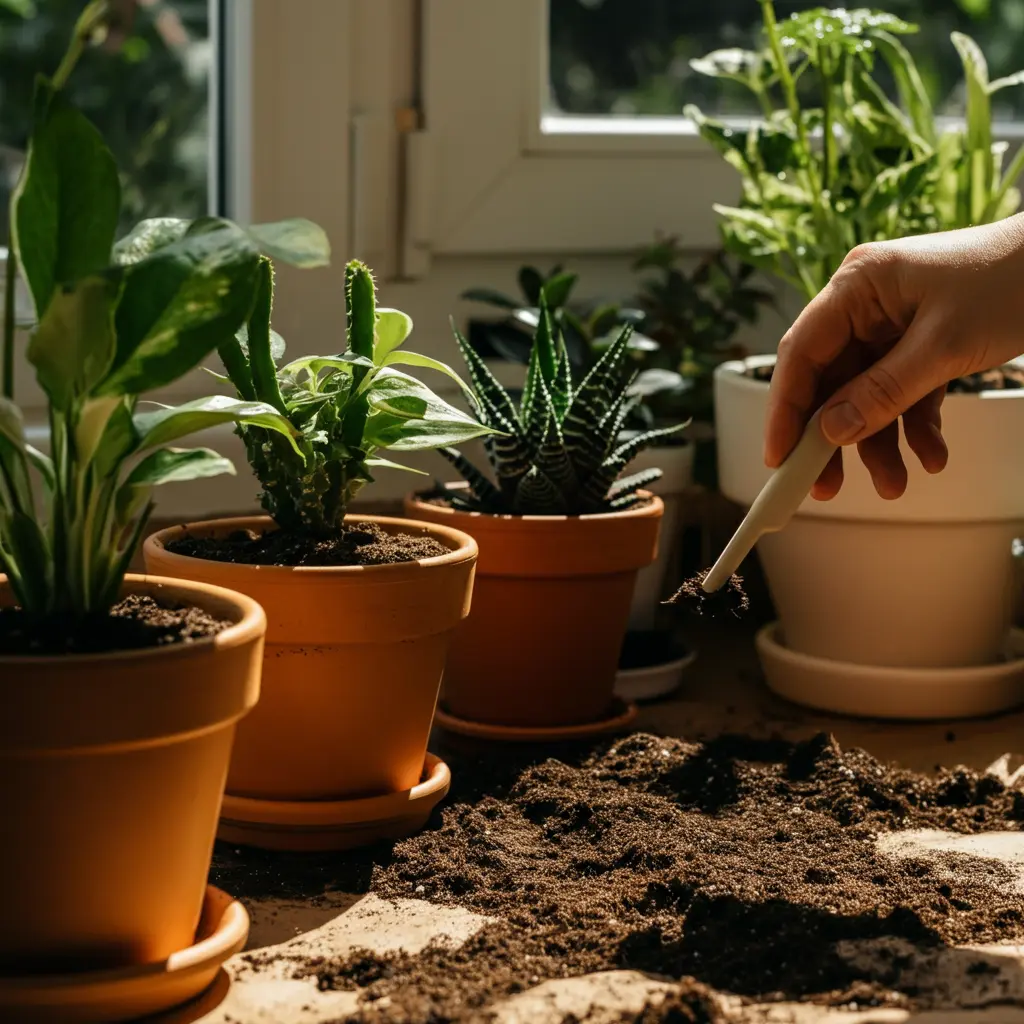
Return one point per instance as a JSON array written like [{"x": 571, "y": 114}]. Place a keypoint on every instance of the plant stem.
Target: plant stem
[
  {"x": 11, "y": 279},
  {"x": 89, "y": 21}
]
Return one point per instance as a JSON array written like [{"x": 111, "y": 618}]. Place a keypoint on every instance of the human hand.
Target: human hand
[{"x": 898, "y": 321}]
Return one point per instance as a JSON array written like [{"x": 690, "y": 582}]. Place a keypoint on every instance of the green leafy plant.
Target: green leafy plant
[
  {"x": 834, "y": 162},
  {"x": 559, "y": 452},
  {"x": 343, "y": 408},
  {"x": 684, "y": 321},
  {"x": 113, "y": 322}
]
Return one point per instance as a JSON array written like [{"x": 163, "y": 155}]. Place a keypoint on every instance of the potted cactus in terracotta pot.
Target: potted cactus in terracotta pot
[
  {"x": 119, "y": 694},
  {"x": 360, "y": 609},
  {"x": 562, "y": 537},
  {"x": 887, "y": 608}
]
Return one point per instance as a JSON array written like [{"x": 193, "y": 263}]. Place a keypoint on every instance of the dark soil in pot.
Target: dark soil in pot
[
  {"x": 358, "y": 544},
  {"x": 1004, "y": 378},
  {"x": 134, "y": 623},
  {"x": 738, "y": 862}
]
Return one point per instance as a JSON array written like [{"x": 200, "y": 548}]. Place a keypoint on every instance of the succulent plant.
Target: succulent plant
[
  {"x": 559, "y": 452},
  {"x": 343, "y": 408}
]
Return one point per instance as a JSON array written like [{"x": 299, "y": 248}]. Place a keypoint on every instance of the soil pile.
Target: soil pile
[{"x": 739, "y": 863}]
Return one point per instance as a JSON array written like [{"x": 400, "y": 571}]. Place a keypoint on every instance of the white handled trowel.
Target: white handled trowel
[{"x": 778, "y": 501}]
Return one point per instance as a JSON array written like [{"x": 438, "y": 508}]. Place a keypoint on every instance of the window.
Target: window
[
  {"x": 631, "y": 57},
  {"x": 147, "y": 93},
  {"x": 554, "y": 126}
]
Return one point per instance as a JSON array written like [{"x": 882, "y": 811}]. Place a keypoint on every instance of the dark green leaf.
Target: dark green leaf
[
  {"x": 179, "y": 304},
  {"x": 147, "y": 237},
  {"x": 66, "y": 205}
]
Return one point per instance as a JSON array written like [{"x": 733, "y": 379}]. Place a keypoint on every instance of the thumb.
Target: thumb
[{"x": 883, "y": 392}]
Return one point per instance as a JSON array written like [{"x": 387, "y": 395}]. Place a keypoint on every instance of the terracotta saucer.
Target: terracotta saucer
[
  {"x": 654, "y": 681},
  {"x": 306, "y": 825},
  {"x": 105, "y": 997},
  {"x": 911, "y": 694},
  {"x": 619, "y": 716}
]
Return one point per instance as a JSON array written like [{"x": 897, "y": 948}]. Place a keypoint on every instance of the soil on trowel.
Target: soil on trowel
[
  {"x": 134, "y": 623},
  {"x": 739, "y": 863},
  {"x": 359, "y": 544},
  {"x": 729, "y": 601},
  {"x": 1004, "y": 378}
]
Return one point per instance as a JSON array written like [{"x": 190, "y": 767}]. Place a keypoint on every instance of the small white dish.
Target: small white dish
[
  {"x": 653, "y": 682},
  {"x": 913, "y": 694}
]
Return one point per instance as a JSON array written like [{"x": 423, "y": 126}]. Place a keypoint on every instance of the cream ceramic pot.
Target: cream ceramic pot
[
  {"x": 653, "y": 583},
  {"x": 923, "y": 582}
]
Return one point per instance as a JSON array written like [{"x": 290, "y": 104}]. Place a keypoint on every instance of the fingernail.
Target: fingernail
[{"x": 842, "y": 423}]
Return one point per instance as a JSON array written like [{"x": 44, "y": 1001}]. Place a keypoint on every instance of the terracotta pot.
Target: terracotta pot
[
  {"x": 112, "y": 770},
  {"x": 353, "y": 662},
  {"x": 550, "y": 610},
  {"x": 923, "y": 582}
]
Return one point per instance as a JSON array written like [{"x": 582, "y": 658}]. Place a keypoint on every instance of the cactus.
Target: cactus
[{"x": 344, "y": 407}]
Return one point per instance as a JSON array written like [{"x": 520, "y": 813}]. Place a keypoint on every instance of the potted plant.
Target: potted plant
[
  {"x": 684, "y": 324},
  {"x": 360, "y": 608},
  {"x": 561, "y": 538},
  {"x": 119, "y": 694},
  {"x": 921, "y": 585}
]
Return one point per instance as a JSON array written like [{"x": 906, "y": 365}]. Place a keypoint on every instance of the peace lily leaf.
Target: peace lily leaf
[
  {"x": 73, "y": 346},
  {"x": 66, "y": 206},
  {"x": 297, "y": 241},
  {"x": 168, "y": 423},
  {"x": 176, "y": 465},
  {"x": 415, "y": 359},
  {"x": 147, "y": 237},
  {"x": 393, "y": 327}
]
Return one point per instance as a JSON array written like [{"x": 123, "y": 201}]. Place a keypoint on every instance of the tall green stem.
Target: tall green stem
[
  {"x": 93, "y": 18},
  {"x": 10, "y": 283}
]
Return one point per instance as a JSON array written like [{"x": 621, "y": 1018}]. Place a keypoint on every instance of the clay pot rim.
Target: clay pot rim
[
  {"x": 463, "y": 549},
  {"x": 652, "y": 508},
  {"x": 251, "y": 624},
  {"x": 734, "y": 370}
]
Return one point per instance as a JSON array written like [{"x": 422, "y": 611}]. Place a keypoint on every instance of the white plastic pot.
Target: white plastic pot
[
  {"x": 923, "y": 582},
  {"x": 652, "y": 583}
]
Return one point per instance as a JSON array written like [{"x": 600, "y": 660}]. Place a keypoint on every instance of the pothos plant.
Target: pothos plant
[
  {"x": 343, "y": 408},
  {"x": 559, "y": 452},
  {"x": 113, "y": 321},
  {"x": 833, "y": 162}
]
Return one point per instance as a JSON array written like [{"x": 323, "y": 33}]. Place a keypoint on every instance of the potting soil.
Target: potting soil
[
  {"x": 133, "y": 623},
  {"x": 738, "y": 862},
  {"x": 729, "y": 601},
  {"x": 357, "y": 544}
]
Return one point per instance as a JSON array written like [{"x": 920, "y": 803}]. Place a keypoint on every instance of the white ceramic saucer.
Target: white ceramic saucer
[
  {"x": 913, "y": 694},
  {"x": 654, "y": 681},
  {"x": 104, "y": 997}
]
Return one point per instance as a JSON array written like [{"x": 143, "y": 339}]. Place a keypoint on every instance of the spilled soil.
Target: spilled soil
[
  {"x": 738, "y": 863},
  {"x": 134, "y": 623},
  {"x": 358, "y": 544}
]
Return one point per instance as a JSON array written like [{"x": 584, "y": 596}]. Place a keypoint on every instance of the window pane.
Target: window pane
[
  {"x": 148, "y": 94},
  {"x": 631, "y": 57}
]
